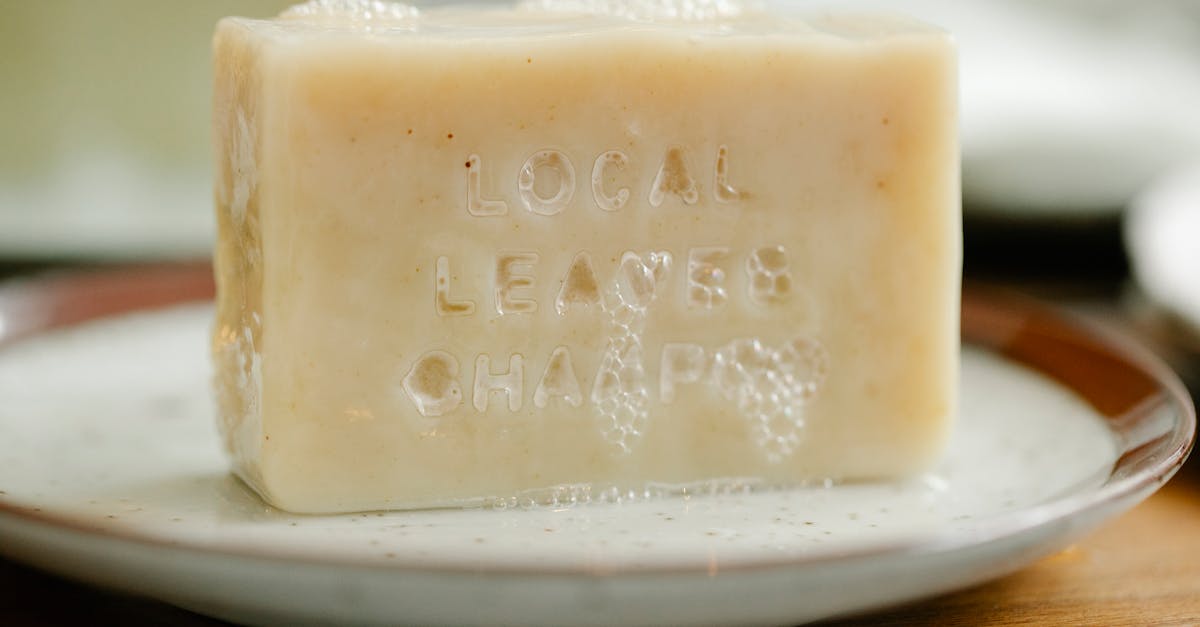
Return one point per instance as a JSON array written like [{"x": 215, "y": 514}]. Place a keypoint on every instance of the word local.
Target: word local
[{"x": 673, "y": 177}]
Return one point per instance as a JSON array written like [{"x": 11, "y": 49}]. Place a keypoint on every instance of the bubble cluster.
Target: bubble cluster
[
  {"x": 353, "y": 10},
  {"x": 620, "y": 394},
  {"x": 770, "y": 278},
  {"x": 771, "y": 387},
  {"x": 578, "y": 494},
  {"x": 646, "y": 10}
]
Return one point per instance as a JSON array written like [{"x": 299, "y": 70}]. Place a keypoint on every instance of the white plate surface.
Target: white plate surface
[{"x": 112, "y": 473}]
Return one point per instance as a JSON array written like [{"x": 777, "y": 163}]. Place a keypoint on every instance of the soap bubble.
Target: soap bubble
[
  {"x": 647, "y": 10},
  {"x": 352, "y": 10}
]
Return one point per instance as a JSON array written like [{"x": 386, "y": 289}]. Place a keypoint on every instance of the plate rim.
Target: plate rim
[{"x": 59, "y": 300}]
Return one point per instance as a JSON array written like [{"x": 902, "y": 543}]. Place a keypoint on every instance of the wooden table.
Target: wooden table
[{"x": 1141, "y": 569}]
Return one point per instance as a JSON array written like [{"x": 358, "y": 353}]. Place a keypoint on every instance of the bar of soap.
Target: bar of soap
[{"x": 582, "y": 251}]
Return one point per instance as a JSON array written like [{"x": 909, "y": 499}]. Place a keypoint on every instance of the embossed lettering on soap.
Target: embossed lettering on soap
[{"x": 770, "y": 385}]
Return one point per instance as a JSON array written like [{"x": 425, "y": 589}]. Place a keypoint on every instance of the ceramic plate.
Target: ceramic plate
[{"x": 112, "y": 474}]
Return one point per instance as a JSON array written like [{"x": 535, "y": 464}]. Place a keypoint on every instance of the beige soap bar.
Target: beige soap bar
[{"x": 594, "y": 251}]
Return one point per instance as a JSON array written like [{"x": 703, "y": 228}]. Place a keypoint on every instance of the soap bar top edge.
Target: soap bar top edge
[{"x": 488, "y": 23}]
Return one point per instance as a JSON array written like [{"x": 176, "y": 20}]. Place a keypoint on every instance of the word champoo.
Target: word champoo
[{"x": 782, "y": 379}]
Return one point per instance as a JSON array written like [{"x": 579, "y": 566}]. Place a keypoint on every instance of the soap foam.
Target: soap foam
[
  {"x": 771, "y": 388},
  {"x": 352, "y": 10},
  {"x": 620, "y": 393},
  {"x": 573, "y": 494},
  {"x": 645, "y": 10}
]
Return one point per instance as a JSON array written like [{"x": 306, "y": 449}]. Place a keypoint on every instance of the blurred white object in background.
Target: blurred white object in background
[
  {"x": 1069, "y": 107},
  {"x": 1163, "y": 237}
]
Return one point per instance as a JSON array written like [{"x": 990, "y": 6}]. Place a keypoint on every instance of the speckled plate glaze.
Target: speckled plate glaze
[{"x": 112, "y": 473}]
